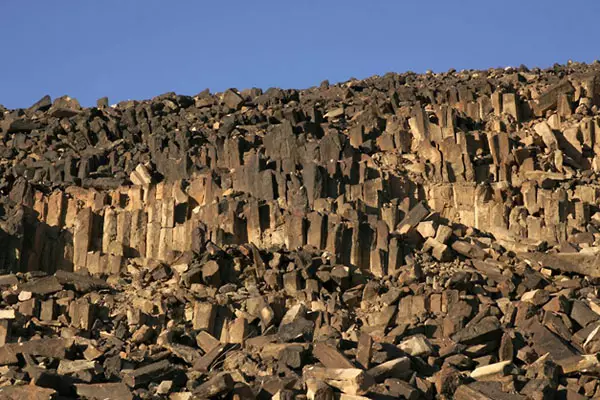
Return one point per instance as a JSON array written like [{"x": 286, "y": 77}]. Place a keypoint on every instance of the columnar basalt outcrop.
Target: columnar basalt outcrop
[{"x": 416, "y": 236}]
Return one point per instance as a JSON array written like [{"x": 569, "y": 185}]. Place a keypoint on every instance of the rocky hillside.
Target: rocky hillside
[{"x": 405, "y": 236}]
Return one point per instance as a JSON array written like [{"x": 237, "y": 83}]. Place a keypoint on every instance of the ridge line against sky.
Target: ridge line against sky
[{"x": 132, "y": 50}]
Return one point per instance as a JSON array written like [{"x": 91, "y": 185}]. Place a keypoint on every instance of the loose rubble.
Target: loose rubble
[{"x": 411, "y": 236}]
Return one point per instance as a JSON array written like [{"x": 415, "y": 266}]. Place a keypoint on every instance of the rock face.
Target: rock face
[{"x": 405, "y": 236}]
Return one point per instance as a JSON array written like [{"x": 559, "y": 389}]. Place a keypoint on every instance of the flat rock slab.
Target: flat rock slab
[
  {"x": 488, "y": 328},
  {"x": 485, "y": 391},
  {"x": 52, "y": 348},
  {"x": 42, "y": 286},
  {"x": 101, "y": 391},
  {"x": 27, "y": 392},
  {"x": 586, "y": 264},
  {"x": 545, "y": 341},
  {"x": 81, "y": 283}
]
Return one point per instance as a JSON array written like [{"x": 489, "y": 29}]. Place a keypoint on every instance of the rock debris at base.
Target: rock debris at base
[{"x": 431, "y": 236}]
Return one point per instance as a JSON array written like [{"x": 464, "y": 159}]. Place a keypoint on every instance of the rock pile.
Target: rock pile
[{"x": 405, "y": 236}]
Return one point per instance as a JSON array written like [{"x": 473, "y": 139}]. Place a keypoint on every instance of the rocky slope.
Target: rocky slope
[{"x": 405, "y": 236}]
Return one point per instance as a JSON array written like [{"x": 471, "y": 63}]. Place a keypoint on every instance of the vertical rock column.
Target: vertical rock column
[{"x": 81, "y": 237}]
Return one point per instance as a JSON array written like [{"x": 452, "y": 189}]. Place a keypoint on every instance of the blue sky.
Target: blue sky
[{"x": 127, "y": 49}]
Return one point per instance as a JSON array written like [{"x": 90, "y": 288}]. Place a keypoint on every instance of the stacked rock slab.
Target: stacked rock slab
[{"x": 406, "y": 236}]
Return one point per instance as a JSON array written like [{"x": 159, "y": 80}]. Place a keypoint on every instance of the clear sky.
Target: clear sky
[{"x": 137, "y": 49}]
